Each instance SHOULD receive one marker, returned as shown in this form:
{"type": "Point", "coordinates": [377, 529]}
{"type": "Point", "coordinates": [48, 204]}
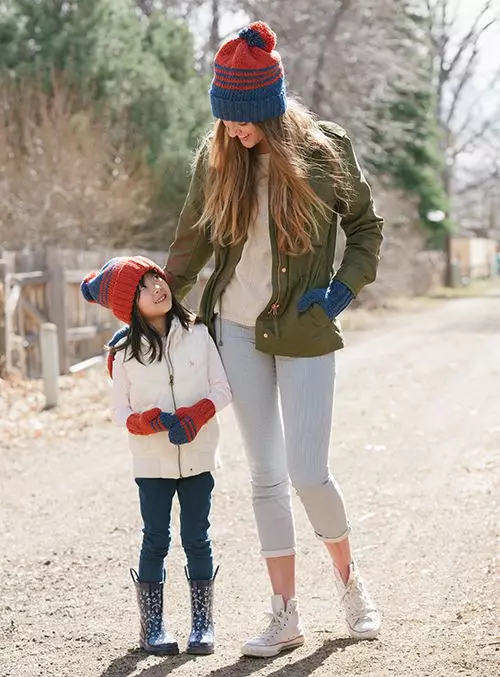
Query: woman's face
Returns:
{"type": "Point", "coordinates": [246, 132]}
{"type": "Point", "coordinates": [155, 298]}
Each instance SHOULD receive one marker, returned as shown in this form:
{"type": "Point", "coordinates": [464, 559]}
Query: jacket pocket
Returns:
{"type": "Point", "coordinates": [319, 316]}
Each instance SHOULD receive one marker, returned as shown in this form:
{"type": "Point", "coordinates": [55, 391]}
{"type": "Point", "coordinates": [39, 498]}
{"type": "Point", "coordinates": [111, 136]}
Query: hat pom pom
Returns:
{"type": "Point", "coordinates": [258, 34]}
{"type": "Point", "coordinates": [85, 289]}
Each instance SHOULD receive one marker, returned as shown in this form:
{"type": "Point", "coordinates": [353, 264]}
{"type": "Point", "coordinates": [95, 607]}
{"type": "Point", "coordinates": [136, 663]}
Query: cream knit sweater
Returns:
{"type": "Point", "coordinates": [250, 288]}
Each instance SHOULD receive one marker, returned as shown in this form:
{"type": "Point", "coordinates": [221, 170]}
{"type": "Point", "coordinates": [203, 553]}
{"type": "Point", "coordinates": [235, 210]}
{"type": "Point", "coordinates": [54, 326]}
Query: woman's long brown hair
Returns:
{"type": "Point", "coordinates": [230, 196]}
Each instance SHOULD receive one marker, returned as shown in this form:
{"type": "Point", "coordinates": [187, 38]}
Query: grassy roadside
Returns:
{"type": "Point", "coordinates": [358, 319]}
{"type": "Point", "coordinates": [477, 288]}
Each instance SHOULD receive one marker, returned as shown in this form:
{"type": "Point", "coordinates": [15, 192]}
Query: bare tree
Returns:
{"type": "Point", "coordinates": [181, 9]}
{"type": "Point", "coordinates": [468, 115]}
{"type": "Point", "coordinates": [339, 56]}
{"type": "Point", "coordinates": [214, 35]}
{"type": "Point", "coordinates": [329, 32]}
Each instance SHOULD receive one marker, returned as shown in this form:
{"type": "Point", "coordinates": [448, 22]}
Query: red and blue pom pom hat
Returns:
{"type": "Point", "coordinates": [249, 82]}
{"type": "Point", "coordinates": [114, 286]}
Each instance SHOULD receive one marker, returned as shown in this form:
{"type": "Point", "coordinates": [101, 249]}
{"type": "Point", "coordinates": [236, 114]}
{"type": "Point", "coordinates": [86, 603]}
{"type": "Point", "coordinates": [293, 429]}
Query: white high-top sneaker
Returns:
{"type": "Point", "coordinates": [283, 632]}
{"type": "Point", "coordinates": [361, 614]}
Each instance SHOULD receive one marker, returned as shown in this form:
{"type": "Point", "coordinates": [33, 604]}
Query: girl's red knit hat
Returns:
{"type": "Point", "coordinates": [115, 285]}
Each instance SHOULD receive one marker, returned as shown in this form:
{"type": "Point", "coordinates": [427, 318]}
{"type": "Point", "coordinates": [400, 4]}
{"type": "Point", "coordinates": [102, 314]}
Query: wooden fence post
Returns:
{"type": "Point", "coordinates": [50, 362]}
{"type": "Point", "coordinates": [12, 296]}
{"type": "Point", "coordinates": [3, 326]}
{"type": "Point", "coordinates": [56, 300]}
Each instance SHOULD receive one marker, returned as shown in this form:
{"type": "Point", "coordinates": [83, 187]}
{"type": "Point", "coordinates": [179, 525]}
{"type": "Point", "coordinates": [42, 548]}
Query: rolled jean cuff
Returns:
{"type": "Point", "coordinates": [334, 539]}
{"type": "Point", "coordinates": [268, 554]}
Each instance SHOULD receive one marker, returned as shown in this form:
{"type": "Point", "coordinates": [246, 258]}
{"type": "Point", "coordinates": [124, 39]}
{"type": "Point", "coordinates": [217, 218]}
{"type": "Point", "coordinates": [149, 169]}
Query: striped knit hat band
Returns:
{"type": "Point", "coordinates": [249, 82]}
{"type": "Point", "coordinates": [115, 285]}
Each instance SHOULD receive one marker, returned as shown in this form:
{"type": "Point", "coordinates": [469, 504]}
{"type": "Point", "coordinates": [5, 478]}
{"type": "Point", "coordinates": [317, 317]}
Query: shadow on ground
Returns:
{"type": "Point", "coordinates": [241, 667]}
{"type": "Point", "coordinates": [129, 663]}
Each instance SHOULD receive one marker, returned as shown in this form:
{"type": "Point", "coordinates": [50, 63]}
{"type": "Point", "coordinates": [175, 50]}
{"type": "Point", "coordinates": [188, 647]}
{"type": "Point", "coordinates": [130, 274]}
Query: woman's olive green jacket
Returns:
{"type": "Point", "coordinates": [280, 329]}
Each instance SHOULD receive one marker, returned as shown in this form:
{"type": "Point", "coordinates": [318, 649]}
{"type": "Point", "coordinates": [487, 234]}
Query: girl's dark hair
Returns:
{"type": "Point", "coordinates": [139, 328]}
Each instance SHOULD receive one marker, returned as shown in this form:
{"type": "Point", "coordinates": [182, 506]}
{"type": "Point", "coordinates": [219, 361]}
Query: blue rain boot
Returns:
{"type": "Point", "coordinates": [201, 639]}
{"type": "Point", "coordinates": [154, 637]}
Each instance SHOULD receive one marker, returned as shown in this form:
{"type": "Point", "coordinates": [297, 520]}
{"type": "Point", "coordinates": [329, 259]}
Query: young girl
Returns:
{"type": "Point", "coordinates": [168, 384]}
{"type": "Point", "coordinates": [271, 184]}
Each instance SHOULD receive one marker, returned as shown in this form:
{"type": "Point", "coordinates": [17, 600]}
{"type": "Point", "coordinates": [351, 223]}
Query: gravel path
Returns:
{"type": "Point", "coordinates": [416, 448]}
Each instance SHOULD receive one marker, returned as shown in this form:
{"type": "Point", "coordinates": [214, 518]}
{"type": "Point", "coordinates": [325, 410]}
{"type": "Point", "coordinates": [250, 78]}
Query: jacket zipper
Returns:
{"type": "Point", "coordinates": [273, 310]}
{"type": "Point", "coordinates": [170, 368]}
{"type": "Point", "coordinates": [220, 319]}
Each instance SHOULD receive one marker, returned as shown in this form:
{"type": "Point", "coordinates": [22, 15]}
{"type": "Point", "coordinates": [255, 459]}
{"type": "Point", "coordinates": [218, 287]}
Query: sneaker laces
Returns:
{"type": "Point", "coordinates": [357, 600]}
{"type": "Point", "coordinates": [276, 622]}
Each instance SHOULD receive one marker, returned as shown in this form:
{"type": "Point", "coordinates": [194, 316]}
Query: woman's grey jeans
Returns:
{"type": "Point", "coordinates": [287, 443]}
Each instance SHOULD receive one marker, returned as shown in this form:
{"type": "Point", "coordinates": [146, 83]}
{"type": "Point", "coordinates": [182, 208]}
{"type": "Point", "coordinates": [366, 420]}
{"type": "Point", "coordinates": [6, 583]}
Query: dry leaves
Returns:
{"type": "Point", "coordinates": [83, 401]}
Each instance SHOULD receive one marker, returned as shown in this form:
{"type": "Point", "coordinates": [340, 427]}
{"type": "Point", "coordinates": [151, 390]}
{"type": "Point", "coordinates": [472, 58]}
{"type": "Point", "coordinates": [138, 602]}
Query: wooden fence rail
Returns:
{"type": "Point", "coordinates": [44, 287]}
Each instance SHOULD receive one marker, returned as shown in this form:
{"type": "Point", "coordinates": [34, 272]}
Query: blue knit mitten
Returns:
{"type": "Point", "coordinates": [334, 299]}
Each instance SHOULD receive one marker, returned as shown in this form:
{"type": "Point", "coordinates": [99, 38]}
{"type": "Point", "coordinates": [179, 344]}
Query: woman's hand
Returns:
{"type": "Point", "coordinates": [333, 299]}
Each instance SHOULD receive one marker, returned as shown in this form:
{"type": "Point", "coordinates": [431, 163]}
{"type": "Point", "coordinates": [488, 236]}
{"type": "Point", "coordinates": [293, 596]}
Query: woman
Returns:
{"type": "Point", "coordinates": [269, 187]}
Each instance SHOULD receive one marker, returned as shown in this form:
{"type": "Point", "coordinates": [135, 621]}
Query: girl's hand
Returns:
{"type": "Point", "coordinates": [334, 299]}
{"type": "Point", "coordinates": [187, 421]}
{"type": "Point", "coordinates": [149, 422]}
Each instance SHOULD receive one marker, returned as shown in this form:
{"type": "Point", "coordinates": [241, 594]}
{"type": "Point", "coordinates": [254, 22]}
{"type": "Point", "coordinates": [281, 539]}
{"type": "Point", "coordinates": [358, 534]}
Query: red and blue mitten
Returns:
{"type": "Point", "coordinates": [148, 422]}
{"type": "Point", "coordinates": [186, 422]}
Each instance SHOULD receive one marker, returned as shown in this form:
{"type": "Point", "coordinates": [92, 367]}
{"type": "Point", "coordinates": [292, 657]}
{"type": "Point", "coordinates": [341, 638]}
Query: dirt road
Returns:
{"type": "Point", "coordinates": [416, 448]}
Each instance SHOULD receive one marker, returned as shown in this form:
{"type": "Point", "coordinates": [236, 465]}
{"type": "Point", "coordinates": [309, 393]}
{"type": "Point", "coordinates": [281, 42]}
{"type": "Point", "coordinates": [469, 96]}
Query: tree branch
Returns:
{"type": "Point", "coordinates": [485, 127]}
{"type": "Point", "coordinates": [472, 111]}
{"type": "Point", "coordinates": [330, 30]}
{"type": "Point", "coordinates": [463, 80]}
{"type": "Point", "coordinates": [477, 183]}
{"type": "Point", "coordinates": [472, 37]}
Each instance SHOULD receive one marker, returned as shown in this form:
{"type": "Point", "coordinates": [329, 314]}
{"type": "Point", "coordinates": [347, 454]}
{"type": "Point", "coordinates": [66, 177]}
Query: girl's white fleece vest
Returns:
{"type": "Point", "coordinates": [189, 371]}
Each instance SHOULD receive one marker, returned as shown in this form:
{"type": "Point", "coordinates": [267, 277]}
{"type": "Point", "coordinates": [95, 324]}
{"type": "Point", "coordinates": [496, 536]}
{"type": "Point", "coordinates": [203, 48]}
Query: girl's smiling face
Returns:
{"type": "Point", "coordinates": [155, 297]}
{"type": "Point", "coordinates": [246, 132]}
